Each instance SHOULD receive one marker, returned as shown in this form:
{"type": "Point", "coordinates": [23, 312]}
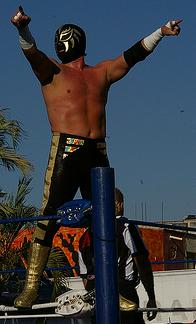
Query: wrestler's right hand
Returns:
{"type": "Point", "coordinates": [20, 19]}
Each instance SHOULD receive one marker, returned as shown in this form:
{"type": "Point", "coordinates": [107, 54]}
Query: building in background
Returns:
{"type": "Point", "coordinates": [172, 249]}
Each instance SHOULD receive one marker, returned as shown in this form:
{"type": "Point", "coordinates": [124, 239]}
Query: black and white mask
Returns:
{"type": "Point", "coordinates": [70, 42]}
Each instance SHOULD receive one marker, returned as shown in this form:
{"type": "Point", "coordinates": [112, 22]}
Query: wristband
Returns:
{"type": "Point", "coordinates": [135, 54]}
{"type": "Point", "coordinates": [152, 40]}
{"type": "Point", "coordinates": [26, 39]}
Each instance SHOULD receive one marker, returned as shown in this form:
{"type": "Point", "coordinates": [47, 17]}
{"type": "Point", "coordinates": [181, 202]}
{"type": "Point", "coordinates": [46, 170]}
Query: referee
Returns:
{"type": "Point", "coordinates": [133, 266]}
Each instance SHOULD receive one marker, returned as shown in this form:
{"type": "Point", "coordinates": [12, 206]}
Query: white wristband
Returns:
{"type": "Point", "coordinates": [25, 38]}
{"type": "Point", "coordinates": [152, 40]}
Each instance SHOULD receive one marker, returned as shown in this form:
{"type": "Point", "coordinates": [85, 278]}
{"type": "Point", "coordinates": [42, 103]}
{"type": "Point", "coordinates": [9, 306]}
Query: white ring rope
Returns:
{"type": "Point", "coordinates": [7, 309]}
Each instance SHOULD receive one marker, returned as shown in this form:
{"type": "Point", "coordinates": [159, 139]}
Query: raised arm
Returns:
{"type": "Point", "coordinates": [42, 66]}
{"type": "Point", "coordinates": [120, 66]}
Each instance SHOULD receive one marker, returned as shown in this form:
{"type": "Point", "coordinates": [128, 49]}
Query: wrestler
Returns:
{"type": "Point", "coordinates": [75, 95]}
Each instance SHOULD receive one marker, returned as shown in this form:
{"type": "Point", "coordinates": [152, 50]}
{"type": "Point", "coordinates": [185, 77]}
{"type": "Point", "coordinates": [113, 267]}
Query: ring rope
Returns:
{"type": "Point", "coordinates": [7, 309]}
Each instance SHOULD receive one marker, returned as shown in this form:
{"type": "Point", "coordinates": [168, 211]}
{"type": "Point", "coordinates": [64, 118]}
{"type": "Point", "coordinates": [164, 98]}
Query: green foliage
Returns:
{"type": "Point", "coordinates": [10, 136]}
{"type": "Point", "coordinates": [57, 260]}
{"type": "Point", "coordinates": [13, 206]}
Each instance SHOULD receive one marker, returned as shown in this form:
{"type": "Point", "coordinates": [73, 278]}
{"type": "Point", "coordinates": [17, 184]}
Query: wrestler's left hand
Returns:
{"type": "Point", "coordinates": [171, 28]}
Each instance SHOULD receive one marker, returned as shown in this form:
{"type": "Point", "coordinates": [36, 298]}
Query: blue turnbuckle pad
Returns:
{"type": "Point", "coordinates": [74, 212]}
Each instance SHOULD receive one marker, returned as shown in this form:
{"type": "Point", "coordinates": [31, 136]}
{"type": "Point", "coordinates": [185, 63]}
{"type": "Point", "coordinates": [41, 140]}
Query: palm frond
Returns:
{"type": "Point", "coordinates": [57, 260]}
{"type": "Point", "coordinates": [13, 206]}
{"type": "Point", "coordinates": [12, 128]}
{"type": "Point", "coordinates": [2, 193]}
{"type": "Point", "coordinates": [10, 136]}
{"type": "Point", "coordinates": [16, 207]}
{"type": "Point", "coordinates": [11, 160]}
{"type": "Point", "coordinates": [22, 191]}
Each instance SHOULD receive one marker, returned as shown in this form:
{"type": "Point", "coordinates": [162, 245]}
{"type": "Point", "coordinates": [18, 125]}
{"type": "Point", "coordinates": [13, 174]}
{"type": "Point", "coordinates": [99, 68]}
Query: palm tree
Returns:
{"type": "Point", "coordinates": [10, 136]}
{"type": "Point", "coordinates": [10, 206]}
{"type": "Point", "coordinates": [13, 206]}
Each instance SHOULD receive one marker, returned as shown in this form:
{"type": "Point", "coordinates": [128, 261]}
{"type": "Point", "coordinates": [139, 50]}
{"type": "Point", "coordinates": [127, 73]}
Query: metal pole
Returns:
{"type": "Point", "coordinates": [105, 251]}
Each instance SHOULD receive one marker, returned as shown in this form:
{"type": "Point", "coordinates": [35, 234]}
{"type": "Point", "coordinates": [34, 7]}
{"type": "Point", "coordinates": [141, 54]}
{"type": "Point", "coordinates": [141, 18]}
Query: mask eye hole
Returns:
{"type": "Point", "coordinates": [64, 38]}
{"type": "Point", "coordinates": [60, 47]}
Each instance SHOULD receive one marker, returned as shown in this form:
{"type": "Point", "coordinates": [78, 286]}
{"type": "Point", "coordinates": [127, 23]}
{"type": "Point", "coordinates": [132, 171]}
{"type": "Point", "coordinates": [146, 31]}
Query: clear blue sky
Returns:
{"type": "Point", "coordinates": [151, 123]}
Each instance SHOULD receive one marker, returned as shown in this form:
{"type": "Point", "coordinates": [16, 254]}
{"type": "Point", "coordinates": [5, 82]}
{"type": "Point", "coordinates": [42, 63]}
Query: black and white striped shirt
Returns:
{"type": "Point", "coordinates": [129, 245]}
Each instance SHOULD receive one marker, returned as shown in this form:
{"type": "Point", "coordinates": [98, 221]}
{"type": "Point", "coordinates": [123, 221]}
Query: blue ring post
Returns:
{"type": "Point", "coordinates": [105, 251]}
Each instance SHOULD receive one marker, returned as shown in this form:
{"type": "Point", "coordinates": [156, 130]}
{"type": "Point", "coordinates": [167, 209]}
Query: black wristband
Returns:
{"type": "Point", "coordinates": [135, 54]}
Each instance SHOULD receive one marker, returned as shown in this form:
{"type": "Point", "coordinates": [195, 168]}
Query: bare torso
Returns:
{"type": "Point", "coordinates": [76, 94]}
{"type": "Point", "coordinates": [76, 100]}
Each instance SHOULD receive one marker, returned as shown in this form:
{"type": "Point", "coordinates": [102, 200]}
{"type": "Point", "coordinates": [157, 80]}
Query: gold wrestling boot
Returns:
{"type": "Point", "coordinates": [37, 261]}
{"type": "Point", "coordinates": [127, 305]}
